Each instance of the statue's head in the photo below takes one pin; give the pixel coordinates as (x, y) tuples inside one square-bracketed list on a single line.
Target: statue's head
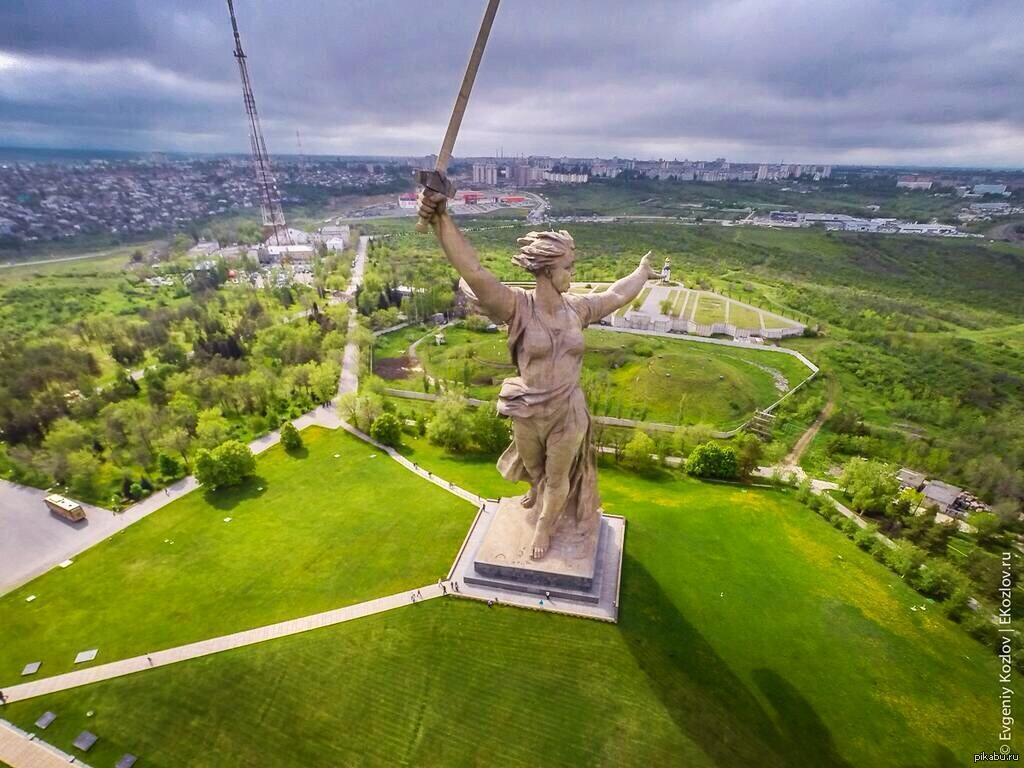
[(548, 254)]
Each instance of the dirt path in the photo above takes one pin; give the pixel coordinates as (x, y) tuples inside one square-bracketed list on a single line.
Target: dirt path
[(793, 459)]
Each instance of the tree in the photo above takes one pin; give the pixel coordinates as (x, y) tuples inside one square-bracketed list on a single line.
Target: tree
[(83, 471), (713, 460), (638, 453), (449, 427), (904, 558), (64, 438), (323, 381), (870, 485), (227, 464), (212, 428), (387, 429), (291, 440), (490, 430), (175, 440), (749, 450), (169, 466), (906, 502), (665, 306), (987, 525)]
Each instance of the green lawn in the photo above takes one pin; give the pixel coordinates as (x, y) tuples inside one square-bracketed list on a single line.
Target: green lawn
[(743, 317), (307, 534), (751, 634), (710, 310)]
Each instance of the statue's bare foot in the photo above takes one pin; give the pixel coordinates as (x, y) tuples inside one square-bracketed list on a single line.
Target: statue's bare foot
[(541, 541), (529, 498)]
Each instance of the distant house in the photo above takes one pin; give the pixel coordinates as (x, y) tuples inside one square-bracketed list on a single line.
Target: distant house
[(941, 495), (910, 479), (335, 243)]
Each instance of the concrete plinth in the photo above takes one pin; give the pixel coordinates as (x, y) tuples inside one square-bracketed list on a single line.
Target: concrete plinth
[(505, 552), (578, 575)]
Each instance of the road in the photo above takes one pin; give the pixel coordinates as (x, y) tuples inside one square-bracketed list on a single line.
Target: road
[(349, 381)]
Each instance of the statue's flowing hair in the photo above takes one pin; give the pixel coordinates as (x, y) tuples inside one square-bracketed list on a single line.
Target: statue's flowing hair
[(540, 250)]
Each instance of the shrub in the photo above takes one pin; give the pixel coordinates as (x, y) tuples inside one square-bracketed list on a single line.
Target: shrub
[(849, 527), (490, 430), (291, 440), (227, 464), (865, 538), (450, 425), (904, 558), (637, 455), (387, 429), (477, 323), (938, 579), (169, 466), (713, 460)]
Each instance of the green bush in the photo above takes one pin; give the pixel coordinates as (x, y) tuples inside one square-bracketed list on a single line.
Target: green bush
[(291, 440), (713, 460), (227, 464), (904, 558), (387, 429), (638, 453), (866, 538), (938, 579), (169, 467)]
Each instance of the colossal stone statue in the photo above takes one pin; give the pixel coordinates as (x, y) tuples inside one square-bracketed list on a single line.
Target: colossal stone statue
[(551, 446)]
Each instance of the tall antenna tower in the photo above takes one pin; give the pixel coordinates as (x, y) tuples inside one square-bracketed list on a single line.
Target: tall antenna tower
[(270, 200)]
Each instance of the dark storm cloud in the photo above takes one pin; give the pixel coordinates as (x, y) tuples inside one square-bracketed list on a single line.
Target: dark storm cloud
[(864, 81)]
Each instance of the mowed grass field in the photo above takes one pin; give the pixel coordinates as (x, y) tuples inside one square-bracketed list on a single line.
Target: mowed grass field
[(751, 634), (309, 533), (630, 376)]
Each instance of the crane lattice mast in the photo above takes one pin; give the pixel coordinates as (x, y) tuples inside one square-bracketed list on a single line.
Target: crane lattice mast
[(270, 199)]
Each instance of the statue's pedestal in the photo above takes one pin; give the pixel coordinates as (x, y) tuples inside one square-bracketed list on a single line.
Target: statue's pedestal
[(581, 566)]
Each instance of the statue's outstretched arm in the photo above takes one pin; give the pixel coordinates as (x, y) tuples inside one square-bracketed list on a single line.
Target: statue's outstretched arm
[(622, 291), (495, 298)]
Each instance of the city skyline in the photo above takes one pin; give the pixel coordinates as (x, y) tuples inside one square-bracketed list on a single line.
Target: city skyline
[(830, 83)]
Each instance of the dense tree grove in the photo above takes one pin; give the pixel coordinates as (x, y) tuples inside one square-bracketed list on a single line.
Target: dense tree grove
[(211, 363)]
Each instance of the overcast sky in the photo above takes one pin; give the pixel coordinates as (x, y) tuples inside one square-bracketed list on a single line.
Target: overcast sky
[(867, 81)]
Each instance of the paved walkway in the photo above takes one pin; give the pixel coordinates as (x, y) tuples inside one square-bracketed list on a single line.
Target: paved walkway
[(20, 750), (349, 381), (195, 650)]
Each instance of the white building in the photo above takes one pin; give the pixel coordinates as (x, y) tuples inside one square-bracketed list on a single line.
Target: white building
[(335, 243)]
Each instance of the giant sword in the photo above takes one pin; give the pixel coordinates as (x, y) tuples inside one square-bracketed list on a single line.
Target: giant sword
[(435, 180)]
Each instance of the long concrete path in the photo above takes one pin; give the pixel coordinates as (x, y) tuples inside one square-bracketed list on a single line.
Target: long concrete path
[(349, 381), (21, 750), (217, 644)]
